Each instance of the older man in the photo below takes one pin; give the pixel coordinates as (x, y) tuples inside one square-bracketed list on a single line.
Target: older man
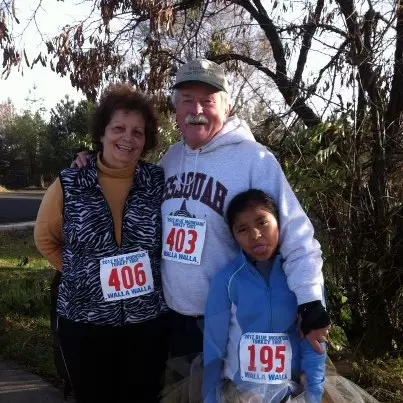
[(217, 158)]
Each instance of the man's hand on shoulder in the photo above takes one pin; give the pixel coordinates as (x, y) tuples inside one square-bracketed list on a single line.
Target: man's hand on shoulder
[(81, 160), (314, 324)]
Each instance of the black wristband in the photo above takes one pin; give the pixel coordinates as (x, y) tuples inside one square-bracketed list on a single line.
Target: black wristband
[(313, 316)]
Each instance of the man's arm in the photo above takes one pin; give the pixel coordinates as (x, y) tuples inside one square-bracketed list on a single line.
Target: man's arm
[(81, 160), (216, 329), (300, 250), (48, 233), (314, 324)]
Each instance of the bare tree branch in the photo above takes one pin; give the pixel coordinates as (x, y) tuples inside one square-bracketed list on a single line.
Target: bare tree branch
[(270, 31), (313, 87), (307, 41), (394, 113), (289, 92), (251, 62), (395, 106), (326, 27)]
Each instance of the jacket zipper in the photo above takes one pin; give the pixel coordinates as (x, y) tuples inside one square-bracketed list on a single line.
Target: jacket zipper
[(122, 306), (271, 305), (120, 248), (269, 295)]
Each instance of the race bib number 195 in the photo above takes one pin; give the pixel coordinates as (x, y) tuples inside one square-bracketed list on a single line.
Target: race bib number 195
[(126, 276), (183, 239), (265, 357)]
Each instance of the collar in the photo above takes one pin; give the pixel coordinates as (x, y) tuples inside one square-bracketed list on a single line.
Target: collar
[(88, 177)]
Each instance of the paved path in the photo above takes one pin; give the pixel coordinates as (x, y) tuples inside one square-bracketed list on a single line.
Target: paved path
[(19, 206), (17, 226), (18, 386)]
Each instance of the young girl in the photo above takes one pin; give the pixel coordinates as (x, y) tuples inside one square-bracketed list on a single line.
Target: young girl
[(253, 351)]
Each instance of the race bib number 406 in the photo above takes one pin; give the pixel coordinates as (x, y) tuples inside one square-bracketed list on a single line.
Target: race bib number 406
[(183, 239), (265, 357), (126, 276)]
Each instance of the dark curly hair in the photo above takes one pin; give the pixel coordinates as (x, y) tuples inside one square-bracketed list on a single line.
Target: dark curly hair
[(123, 97)]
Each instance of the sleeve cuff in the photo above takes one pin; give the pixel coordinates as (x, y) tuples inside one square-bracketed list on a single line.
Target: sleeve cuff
[(309, 293)]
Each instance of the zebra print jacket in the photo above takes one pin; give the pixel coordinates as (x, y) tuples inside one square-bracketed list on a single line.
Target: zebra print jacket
[(89, 236)]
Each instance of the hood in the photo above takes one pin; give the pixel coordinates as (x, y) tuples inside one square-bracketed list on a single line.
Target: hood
[(234, 131)]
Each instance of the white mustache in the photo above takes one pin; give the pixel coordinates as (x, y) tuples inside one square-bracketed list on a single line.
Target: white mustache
[(196, 120)]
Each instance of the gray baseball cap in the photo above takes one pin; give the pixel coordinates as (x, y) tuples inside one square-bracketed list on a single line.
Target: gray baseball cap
[(202, 71)]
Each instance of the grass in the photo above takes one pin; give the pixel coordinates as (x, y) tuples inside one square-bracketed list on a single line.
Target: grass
[(383, 378), (25, 333), (25, 304)]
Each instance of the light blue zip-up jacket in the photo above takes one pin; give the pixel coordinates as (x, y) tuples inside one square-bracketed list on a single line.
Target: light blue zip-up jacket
[(241, 301)]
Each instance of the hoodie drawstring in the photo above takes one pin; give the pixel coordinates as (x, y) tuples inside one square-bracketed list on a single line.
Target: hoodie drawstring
[(178, 180)]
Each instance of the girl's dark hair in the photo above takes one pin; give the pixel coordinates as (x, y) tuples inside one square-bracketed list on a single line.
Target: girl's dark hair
[(250, 198), (123, 97)]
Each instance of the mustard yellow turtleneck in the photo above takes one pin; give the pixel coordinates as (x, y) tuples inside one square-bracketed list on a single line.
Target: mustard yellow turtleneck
[(48, 234)]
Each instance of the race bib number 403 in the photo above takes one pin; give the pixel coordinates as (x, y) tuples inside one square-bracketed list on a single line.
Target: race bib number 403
[(126, 276), (183, 239), (265, 357)]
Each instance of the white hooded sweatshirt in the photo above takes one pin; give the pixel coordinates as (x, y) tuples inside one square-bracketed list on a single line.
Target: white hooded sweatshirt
[(199, 184)]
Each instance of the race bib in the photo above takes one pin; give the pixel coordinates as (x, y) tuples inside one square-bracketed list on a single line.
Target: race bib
[(183, 239), (265, 357), (126, 276)]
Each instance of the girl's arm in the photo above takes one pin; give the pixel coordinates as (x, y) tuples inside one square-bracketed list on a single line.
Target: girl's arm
[(216, 329), (314, 367)]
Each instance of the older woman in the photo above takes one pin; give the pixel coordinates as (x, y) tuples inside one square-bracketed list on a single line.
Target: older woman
[(101, 227)]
